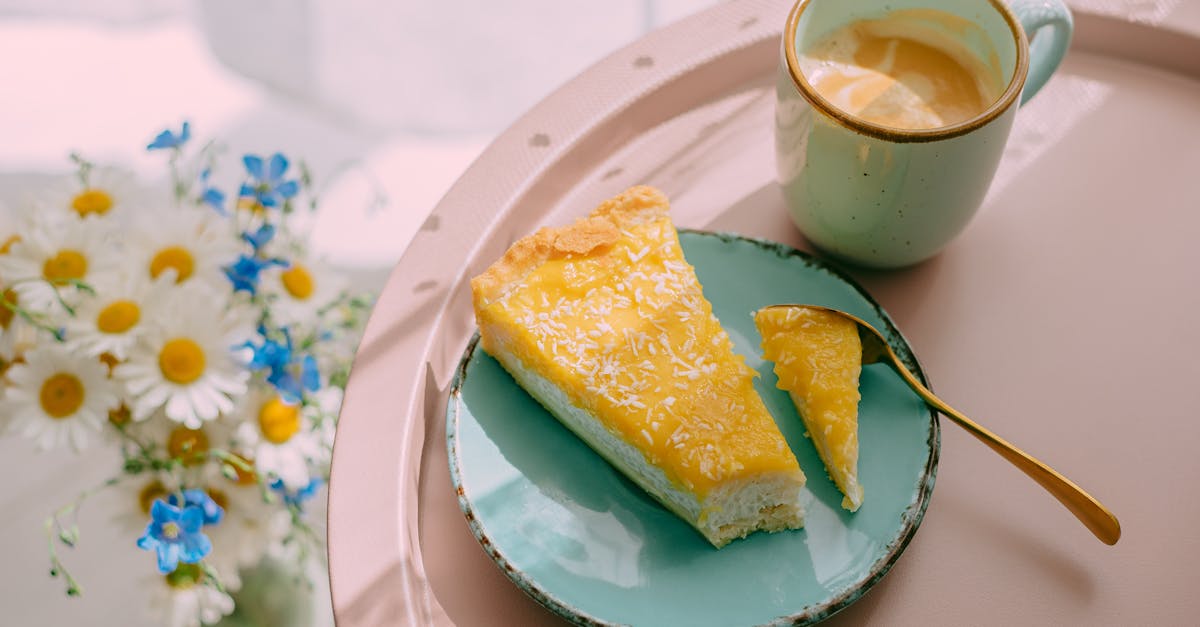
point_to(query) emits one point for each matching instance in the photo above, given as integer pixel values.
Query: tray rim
(394, 584)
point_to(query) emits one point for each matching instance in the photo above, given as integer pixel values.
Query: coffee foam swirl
(898, 74)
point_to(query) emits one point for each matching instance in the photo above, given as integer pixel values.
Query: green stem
(69, 536)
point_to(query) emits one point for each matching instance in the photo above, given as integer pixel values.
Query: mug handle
(1048, 27)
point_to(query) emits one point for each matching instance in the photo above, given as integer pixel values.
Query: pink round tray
(1064, 319)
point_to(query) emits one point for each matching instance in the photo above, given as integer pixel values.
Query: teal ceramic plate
(586, 542)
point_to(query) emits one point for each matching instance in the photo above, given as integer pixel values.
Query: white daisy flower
(50, 256)
(121, 419)
(13, 222)
(17, 335)
(300, 290)
(239, 540)
(190, 245)
(249, 528)
(180, 599)
(279, 437)
(185, 361)
(141, 492)
(107, 193)
(112, 320)
(56, 398)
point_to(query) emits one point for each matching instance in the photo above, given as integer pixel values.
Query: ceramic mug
(887, 197)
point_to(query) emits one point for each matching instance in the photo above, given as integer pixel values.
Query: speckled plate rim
(911, 519)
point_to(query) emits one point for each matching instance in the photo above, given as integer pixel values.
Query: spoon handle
(1097, 518)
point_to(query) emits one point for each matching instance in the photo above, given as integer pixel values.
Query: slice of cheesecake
(818, 359)
(605, 324)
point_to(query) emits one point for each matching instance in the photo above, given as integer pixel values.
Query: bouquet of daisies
(190, 329)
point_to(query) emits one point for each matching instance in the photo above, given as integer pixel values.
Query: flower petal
(310, 377)
(275, 170)
(254, 165)
(168, 557)
(195, 547)
(147, 541)
(164, 139)
(191, 520)
(288, 189)
(162, 512)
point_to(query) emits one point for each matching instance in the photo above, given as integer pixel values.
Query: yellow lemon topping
(818, 359)
(617, 319)
(278, 420)
(176, 258)
(61, 395)
(181, 361)
(298, 282)
(92, 201)
(189, 445)
(118, 317)
(65, 266)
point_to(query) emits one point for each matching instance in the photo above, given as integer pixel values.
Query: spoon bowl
(1095, 516)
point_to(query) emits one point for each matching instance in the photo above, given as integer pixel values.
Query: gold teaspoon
(1095, 516)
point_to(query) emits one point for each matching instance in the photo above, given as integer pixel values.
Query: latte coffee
(891, 72)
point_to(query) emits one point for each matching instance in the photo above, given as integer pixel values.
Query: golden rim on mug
(1010, 95)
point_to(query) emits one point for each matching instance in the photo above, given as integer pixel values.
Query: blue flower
(174, 534)
(290, 374)
(199, 498)
(267, 186)
(244, 272)
(168, 139)
(271, 354)
(261, 238)
(295, 377)
(210, 195)
(297, 498)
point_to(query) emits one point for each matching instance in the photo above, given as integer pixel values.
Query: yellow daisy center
(244, 477)
(298, 282)
(176, 257)
(170, 530)
(185, 575)
(181, 361)
(110, 360)
(62, 395)
(149, 493)
(278, 420)
(219, 497)
(8, 302)
(8, 244)
(120, 416)
(92, 201)
(251, 204)
(65, 266)
(118, 317)
(189, 445)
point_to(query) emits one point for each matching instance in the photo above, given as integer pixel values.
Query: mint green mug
(886, 197)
